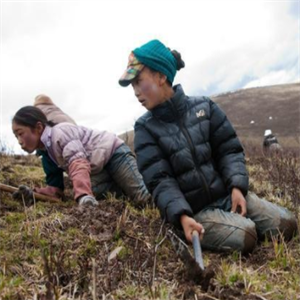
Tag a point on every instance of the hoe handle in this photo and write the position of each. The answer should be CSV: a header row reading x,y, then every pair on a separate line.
x,y
11,189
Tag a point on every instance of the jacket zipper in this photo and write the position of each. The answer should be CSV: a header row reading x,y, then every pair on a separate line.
x,y
192,148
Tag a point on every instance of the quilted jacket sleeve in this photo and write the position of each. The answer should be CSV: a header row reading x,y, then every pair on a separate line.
x,y
227,151
69,147
158,177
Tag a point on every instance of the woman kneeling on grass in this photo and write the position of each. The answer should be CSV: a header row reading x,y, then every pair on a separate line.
x,y
192,161
97,161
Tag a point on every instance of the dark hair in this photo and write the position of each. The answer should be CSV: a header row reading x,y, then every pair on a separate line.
x,y
29,116
180,62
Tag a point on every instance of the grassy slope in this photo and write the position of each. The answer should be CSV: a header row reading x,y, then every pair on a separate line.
x,y
61,251
280,102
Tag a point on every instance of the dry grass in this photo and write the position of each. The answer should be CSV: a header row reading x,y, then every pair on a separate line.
x,y
61,251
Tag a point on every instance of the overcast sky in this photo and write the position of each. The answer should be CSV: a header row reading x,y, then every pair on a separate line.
x,y
75,52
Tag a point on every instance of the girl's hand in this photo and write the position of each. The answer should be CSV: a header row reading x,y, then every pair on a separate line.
x,y
189,225
238,202
24,193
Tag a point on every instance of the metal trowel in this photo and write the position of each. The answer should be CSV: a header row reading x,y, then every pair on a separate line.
x,y
194,264
197,249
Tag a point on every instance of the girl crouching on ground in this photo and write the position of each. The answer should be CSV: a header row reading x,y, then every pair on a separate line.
x,y
97,162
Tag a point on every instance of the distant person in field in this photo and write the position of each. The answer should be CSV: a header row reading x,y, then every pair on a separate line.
x,y
84,154
270,143
192,160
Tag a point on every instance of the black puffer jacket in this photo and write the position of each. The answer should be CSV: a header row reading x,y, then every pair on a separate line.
x,y
189,155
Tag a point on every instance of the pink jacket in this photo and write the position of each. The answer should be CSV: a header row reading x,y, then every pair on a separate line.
x,y
80,151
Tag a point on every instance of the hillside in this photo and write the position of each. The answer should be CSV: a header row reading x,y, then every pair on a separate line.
x,y
62,251
273,107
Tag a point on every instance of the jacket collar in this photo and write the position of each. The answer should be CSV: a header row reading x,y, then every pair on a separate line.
x,y
173,108
46,139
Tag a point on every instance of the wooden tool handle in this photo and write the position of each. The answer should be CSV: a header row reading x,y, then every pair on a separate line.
x,y
197,249
11,189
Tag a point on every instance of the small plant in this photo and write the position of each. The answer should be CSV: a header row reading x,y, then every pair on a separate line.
x,y
228,273
121,224
283,257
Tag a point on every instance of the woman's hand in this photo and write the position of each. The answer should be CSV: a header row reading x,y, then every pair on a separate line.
x,y
189,225
238,202
24,193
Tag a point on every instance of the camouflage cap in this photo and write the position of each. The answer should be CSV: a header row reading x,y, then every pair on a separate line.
x,y
134,68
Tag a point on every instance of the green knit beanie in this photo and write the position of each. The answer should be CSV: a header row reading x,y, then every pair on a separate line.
x,y
158,57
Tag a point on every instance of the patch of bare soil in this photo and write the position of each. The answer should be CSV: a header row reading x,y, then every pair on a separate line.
x,y
113,251
114,225
142,263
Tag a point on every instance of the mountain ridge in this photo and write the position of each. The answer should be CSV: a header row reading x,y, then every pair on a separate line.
x,y
253,110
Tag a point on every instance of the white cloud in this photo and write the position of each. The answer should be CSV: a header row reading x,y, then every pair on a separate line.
x,y
272,78
75,51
